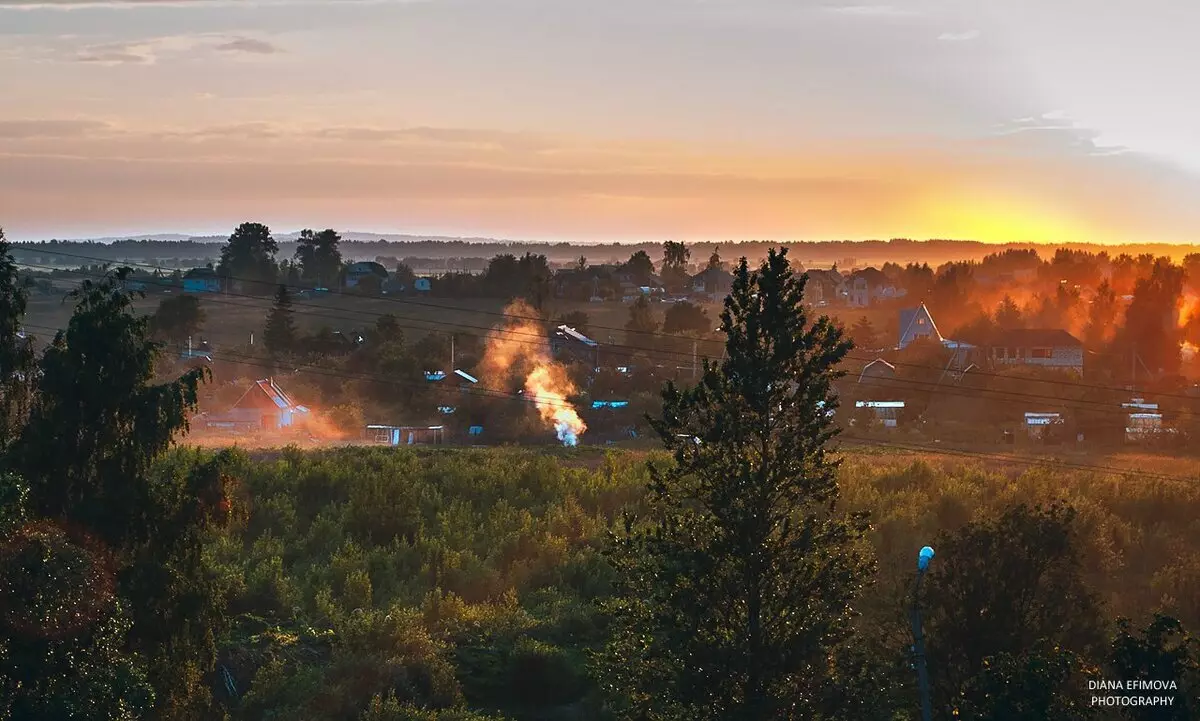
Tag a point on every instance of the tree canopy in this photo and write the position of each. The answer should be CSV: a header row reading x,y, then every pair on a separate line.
x,y
248,258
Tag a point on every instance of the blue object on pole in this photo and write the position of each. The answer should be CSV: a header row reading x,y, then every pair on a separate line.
x,y
924,557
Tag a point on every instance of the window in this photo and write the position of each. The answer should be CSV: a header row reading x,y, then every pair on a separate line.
x,y
920,321
1041,353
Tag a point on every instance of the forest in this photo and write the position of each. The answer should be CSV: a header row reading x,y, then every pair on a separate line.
x,y
753,567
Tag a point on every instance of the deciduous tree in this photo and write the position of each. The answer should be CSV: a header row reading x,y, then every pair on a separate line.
x,y
319,257
248,259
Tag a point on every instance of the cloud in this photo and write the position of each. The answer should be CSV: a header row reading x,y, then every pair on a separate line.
x,y
248,45
959,37
878,11
33,129
139,53
150,51
482,139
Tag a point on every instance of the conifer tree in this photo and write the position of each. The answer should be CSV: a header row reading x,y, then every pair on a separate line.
x,y
280,333
736,591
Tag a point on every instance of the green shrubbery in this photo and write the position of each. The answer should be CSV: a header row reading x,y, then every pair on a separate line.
x,y
417,584
379,581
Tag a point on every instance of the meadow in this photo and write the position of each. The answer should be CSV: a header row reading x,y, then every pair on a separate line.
x,y
369,582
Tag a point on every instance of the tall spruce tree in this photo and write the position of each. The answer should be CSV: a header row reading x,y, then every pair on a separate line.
x,y
736,592
280,333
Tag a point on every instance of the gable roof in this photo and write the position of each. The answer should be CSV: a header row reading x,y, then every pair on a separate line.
x,y
576,335
876,368
1028,337
910,322
832,277
873,276
273,393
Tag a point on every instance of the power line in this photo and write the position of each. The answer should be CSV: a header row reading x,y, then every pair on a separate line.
x,y
501,395
925,386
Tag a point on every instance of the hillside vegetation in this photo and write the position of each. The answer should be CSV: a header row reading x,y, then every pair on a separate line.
x,y
469,578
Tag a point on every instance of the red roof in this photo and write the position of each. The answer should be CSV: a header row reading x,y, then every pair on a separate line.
x,y
265,393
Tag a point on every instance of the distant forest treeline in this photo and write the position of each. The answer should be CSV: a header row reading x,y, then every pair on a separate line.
x,y
810,253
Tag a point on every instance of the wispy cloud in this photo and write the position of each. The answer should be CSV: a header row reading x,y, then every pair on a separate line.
x,y
248,45
959,37
33,129
151,50
882,11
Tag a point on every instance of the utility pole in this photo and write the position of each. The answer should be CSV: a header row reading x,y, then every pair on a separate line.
x,y
451,352
923,559
694,342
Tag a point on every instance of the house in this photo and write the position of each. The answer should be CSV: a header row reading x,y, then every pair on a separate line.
x,y
1037,424
356,272
713,283
201,280
273,408
868,286
1145,420
917,323
1044,347
877,370
825,287
578,345
887,413
406,435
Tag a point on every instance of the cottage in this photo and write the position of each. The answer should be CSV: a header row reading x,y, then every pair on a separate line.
x,y
264,407
713,283
274,408
1048,348
356,272
876,371
869,286
825,287
916,323
406,435
570,341
1037,425
1145,420
201,280
887,413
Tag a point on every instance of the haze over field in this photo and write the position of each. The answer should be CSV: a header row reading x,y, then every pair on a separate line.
x,y
605,120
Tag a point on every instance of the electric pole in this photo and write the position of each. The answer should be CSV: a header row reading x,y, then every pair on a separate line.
x,y
923,559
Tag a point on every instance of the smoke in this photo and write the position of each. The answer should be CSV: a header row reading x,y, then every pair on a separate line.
x,y
323,426
519,348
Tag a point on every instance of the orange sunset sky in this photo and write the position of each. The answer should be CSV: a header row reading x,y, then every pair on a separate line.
x,y
600,120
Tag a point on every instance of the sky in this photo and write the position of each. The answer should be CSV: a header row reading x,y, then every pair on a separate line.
x,y
603,120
